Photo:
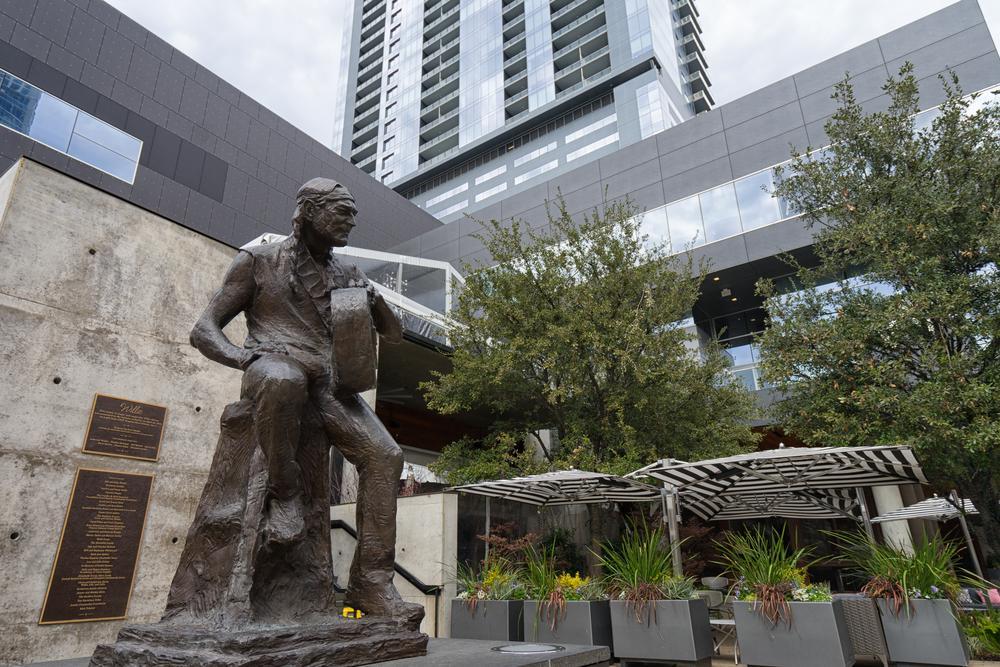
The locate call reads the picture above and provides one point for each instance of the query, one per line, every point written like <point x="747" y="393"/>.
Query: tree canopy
<point x="577" y="330"/>
<point x="903" y="347"/>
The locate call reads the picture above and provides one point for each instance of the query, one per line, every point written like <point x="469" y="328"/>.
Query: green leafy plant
<point x="497" y="579"/>
<point x="982" y="629"/>
<point x="898" y="576"/>
<point x="768" y="573"/>
<point x="553" y="590"/>
<point x="639" y="571"/>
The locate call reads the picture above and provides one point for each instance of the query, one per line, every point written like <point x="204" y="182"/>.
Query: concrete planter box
<point x="587" y="623"/>
<point x="678" y="631"/>
<point x="817" y="636"/>
<point x="500" y="620"/>
<point x="928" y="635"/>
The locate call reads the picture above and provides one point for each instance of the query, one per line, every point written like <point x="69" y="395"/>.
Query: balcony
<point x="446" y="42"/>
<point x="580" y="84"/>
<point x="440" y="89"/>
<point x="509" y="11"/>
<point x="442" y="124"/>
<point x="698" y="81"/>
<point x="366" y="59"/>
<point x="368" y="86"/>
<point x="362" y="119"/>
<point x="436" y="9"/>
<point x="582" y="42"/>
<point x="440" y="71"/>
<point x="441" y="106"/>
<point x="369" y="4"/>
<point x="701" y="101"/>
<point x="589" y="67"/>
<point x="376" y="38"/>
<point x="440" y="23"/>
<point x="689" y="25"/>
<point x="692" y="43"/>
<point x="578" y="28"/>
<point x="365" y="133"/>
<point x="695" y="62"/>
<point x="684" y="8"/>
<point x="567" y="58"/>
<point x="368" y="16"/>
<point x="514" y="45"/>
<point x="365" y="150"/>
<point x="368" y="166"/>
<point x="518" y="63"/>
<point x="368" y="71"/>
<point x="513" y="26"/>
<point x="443" y="143"/>
<point x="573" y="11"/>
<point x="516" y="84"/>
<point x="366" y="102"/>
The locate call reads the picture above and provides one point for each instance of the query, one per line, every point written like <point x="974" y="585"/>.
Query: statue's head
<point x="324" y="213"/>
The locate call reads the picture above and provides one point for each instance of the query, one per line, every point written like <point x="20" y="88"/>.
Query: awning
<point x="564" y="487"/>
<point x="936" y="509"/>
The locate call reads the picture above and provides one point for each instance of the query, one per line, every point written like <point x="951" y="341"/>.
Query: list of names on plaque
<point x="92" y="575"/>
<point x="120" y="427"/>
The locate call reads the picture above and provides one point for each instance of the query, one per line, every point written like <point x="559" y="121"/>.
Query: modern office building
<point x="457" y="102"/>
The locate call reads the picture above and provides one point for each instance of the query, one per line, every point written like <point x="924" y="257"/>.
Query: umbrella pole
<point x="956" y="501"/>
<point x="487" y="556"/>
<point x="669" y="500"/>
<point x="865" y="516"/>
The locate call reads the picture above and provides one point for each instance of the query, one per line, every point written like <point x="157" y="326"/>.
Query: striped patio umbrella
<point x="827" y="504"/>
<point x="564" y="487"/>
<point x="940" y="509"/>
<point x="935" y="509"/>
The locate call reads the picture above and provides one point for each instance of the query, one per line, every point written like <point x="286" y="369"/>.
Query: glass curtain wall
<point x="481" y="96"/>
<point x="538" y="38"/>
<point x="400" y="140"/>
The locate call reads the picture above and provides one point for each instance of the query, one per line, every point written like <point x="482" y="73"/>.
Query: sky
<point x="287" y="53"/>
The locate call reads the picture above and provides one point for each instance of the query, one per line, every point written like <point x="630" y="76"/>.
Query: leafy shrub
<point x="898" y="576"/>
<point x="497" y="579"/>
<point x="640" y="571"/>
<point x="982" y="629"/>
<point x="768" y="573"/>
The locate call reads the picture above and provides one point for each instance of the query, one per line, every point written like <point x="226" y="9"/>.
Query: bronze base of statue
<point x="344" y="642"/>
<point x="242" y="596"/>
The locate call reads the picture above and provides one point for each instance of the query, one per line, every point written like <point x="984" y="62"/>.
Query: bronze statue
<point x="257" y="557"/>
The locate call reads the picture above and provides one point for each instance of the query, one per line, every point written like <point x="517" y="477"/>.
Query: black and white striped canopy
<point x="937" y="509"/>
<point x="565" y="487"/>
<point x="830" y="504"/>
<point x="787" y="470"/>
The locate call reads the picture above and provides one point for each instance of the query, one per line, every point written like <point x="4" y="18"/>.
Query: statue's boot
<point x="386" y="602"/>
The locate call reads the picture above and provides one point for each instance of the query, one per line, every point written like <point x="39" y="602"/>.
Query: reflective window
<point x="449" y="193"/>
<point x="590" y="148"/>
<point x="654" y="226"/>
<point x="451" y="209"/>
<point x="593" y="127"/>
<point x="721" y="216"/>
<point x="502" y="169"/>
<point x="757" y="206"/>
<point x="51" y="121"/>
<point x="538" y="152"/>
<point x="491" y="191"/>
<point x="535" y="172"/>
<point x="684" y="218"/>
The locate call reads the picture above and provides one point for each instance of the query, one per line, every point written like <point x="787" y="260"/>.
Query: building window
<point x="492" y="191"/>
<point x="538" y="152"/>
<point x="445" y="195"/>
<point x="535" y="172"/>
<point x="590" y="148"/>
<point x="48" y="120"/>
<point x="451" y="209"/>
<point x="593" y="127"/>
<point x="502" y="169"/>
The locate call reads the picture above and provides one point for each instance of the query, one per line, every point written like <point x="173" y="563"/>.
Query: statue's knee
<point x="284" y="385"/>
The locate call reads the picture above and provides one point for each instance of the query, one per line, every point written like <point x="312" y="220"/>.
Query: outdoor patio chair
<point x="864" y="627"/>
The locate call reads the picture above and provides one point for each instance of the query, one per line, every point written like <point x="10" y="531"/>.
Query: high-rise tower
<point x="456" y="101"/>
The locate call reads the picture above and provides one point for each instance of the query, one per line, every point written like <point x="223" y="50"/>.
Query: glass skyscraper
<point x="456" y="102"/>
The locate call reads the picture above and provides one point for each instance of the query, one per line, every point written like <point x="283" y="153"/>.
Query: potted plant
<point x="654" y="615"/>
<point x="982" y="630"/>
<point x="914" y="593"/>
<point x="781" y="620"/>
<point x="490" y="604"/>
<point x="564" y="608"/>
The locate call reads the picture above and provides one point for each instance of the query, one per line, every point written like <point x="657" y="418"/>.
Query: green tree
<point x="907" y="351"/>
<point x="576" y="330"/>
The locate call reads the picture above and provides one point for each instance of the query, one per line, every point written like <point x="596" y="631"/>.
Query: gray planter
<point x="817" y="636"/>
<point x="678" y="631"/>
<point x="587" y="623"/>
<point x="928" y="635"/>
<point x="500" y="620"/>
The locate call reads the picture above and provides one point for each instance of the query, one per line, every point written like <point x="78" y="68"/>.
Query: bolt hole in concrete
<point x="56" y="380"/>
<point x="15" y="536"/>
<point x="173" y="540"/>
<point x="197" y="408"/>
<point x="92" y="251"/>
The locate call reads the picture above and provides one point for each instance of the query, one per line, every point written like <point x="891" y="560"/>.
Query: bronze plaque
<point x="95" y="564"/>
<point x="129" y="429"/>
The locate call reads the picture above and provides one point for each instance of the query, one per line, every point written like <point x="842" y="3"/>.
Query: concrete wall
<point x="102" y="295"/>
<point x="426" y="545"/>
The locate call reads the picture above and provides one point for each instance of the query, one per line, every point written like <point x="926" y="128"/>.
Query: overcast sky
<point x="287" y="53"/>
